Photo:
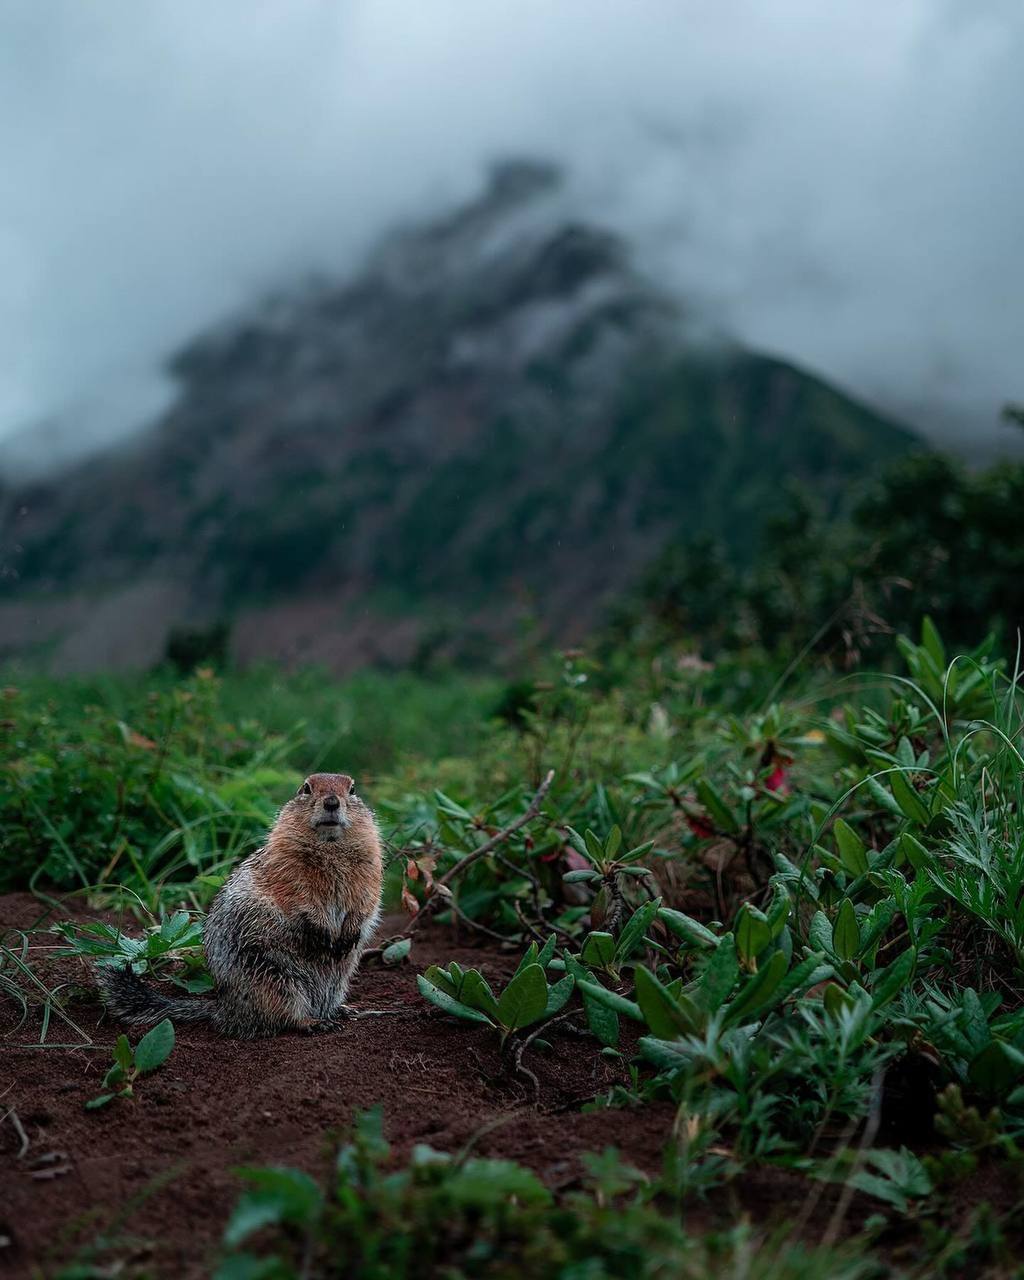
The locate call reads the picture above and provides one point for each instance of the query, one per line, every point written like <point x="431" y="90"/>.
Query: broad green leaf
<point x="637" y="852"/>
<point x="666" y="1055"/>
<point x="594" y="846"/>
<point x="579" y="843"/>
<point x="908" y="800"/>
<point x="447" y="1003"/>
<point x="645" y="780"/>
<point x="891" y="980"/>
<point x="599" y="906"/>
<point x="94" y="1104"/>
<point x="155" y="1047"/>
<point x="721" y="975"/>
<point x="524" y="999"/>
<point x="478" y="995"/>
<point x="547" y="951"/>
<point x="611" y="999"/>
<point x="996" y="1068"/>
<point x="170" y="927"/>
<point x="846" y="932"/>
<point x="665" y="1016"/>
<point x="558" y="995"/>
<point x="529" y="957"/>
<point x="602" y="1021"/>
<point x="778" y="910"/>
<point x="836" y="999"/>
<point x="632" y="936"/>
<point x="884" y="1189"/>
<point x="688" y="929"/>
<point x="883" y="798"/>
<point x="819" y="932"/>
<point x="852" y="851"/>
<point x="598" y="950"/>
<point x="279" y="1195"/>
<point x="441" y="979"/>
<point x="397" y="951"/>
<point x="808" y="973"/>
<point x="974" y="1022"/>
<point x="613" y="843"/>
<point x="914" y="851"/>
<point x="577" y="877"/>
<point x="719" y="811"/>
<point x="486" y="1186"/>
<point x="877" y="923"/>
<point x="753" y="933"/>
<point x="757" y="991"/>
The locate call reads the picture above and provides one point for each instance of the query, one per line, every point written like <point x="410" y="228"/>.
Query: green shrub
<point x="486" y="1220"/>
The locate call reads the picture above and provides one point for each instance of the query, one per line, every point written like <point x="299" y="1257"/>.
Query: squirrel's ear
<point x="305" y="789"/>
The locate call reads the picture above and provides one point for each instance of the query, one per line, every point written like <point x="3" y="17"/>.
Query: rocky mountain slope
<point x="498" y="418"/>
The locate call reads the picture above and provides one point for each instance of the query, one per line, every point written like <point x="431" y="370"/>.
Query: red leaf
<point x="778" y="780"/>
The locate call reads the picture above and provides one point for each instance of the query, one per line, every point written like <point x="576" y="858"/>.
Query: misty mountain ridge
<point x="498" y="419"/>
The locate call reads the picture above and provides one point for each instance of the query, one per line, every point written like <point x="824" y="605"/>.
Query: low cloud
<point x="835" y="183"/>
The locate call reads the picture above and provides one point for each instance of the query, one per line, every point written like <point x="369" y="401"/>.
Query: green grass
<point x="150" y="782"/>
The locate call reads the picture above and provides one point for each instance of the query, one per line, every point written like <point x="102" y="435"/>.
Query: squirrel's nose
<point x="331" y="803"/>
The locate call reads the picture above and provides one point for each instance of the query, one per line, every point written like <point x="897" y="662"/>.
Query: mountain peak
<point x="499" y="416"/>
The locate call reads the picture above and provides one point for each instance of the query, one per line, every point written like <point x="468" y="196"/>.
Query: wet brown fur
<point x="284" y="934"/>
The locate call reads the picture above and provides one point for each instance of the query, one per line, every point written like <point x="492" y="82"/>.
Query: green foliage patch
<point x="768" y="914"/>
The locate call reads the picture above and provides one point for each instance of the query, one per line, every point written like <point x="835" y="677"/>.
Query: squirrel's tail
<point x="125" y="994"/>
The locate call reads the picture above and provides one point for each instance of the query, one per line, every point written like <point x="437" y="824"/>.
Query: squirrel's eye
<point x="307" y="790"/>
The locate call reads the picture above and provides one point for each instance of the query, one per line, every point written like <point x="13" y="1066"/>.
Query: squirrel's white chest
<point x="334" y="916"/>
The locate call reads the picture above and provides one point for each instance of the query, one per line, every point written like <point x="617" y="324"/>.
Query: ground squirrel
<point x="285" y="932"/>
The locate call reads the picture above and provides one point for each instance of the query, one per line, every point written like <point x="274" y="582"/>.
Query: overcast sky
<point x="840" y="182"/>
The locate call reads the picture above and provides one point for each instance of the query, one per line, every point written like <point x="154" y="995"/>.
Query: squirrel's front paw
<point x="322" y="1025"/>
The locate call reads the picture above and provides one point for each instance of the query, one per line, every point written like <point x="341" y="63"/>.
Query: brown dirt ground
<point x="218" y="1104"/>
<point x="161" y="1169"/>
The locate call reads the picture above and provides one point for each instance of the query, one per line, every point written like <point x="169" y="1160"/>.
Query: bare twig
<point x="442" y="895"/>
<point x="470" y="923"/>
<point x="375" y="953"/>
<point x="532" y="930"/>
<point x="519" y="871"/>
<point x="541" y="922"/>
<point x="19" y="1129"/>
<point x="531" y="812"/>
<point x="868" y="1138"/>
<point x="519" y="1047"/>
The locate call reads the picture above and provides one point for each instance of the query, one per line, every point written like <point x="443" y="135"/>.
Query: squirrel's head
<point x="326" y="803"/>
